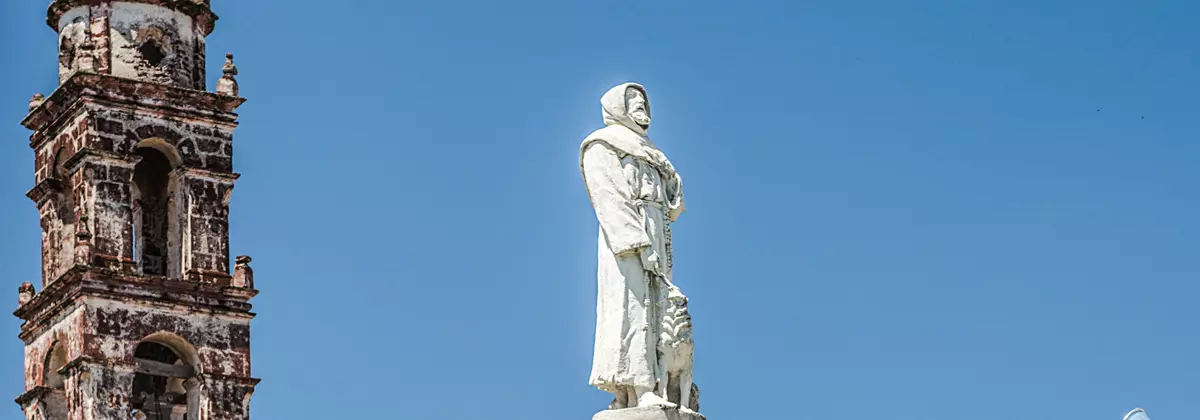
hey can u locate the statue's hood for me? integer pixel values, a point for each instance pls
(624, 135)
(615, 107)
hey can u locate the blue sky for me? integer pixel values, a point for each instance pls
(897, 209)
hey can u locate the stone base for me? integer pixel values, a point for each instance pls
(648, 413)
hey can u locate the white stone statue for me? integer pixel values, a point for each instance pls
(643, 349)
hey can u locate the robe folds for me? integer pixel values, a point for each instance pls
(636, 194)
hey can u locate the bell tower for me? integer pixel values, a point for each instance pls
(141, 313)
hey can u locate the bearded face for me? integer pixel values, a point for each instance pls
(637, 107)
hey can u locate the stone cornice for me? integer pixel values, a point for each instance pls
(43, 190)
(54, 123)
(119, 91)
(73, 366)
(33, 395)
(200, 10)
(84, 155)
(226, 177)
(83, 281)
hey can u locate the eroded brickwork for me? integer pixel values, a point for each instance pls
(140, 314)
(140, 40)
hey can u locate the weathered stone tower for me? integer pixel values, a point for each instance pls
(139, 315)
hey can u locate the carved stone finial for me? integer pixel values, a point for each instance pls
(243, 275)
(228, 84)
(36, 101)
(229, 67)
(25, 293)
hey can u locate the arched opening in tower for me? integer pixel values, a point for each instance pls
(56, 399)
(161, 389)
(152, 204)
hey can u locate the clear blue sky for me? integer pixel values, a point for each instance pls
(897, 209)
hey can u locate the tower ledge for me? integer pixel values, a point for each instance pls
(119, 90)
(197, 296)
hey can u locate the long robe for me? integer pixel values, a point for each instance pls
(636, 194)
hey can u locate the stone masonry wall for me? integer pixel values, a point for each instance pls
(102, 183)
(207, 228)
(113, 330)
(109, 331)
(67, 331)
(145, 42)
(59, 213)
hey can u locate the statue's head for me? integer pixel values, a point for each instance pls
(627, 105)
(639, 108)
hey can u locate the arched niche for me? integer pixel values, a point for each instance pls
(155, 216)
(55, 401)
(166, 383)
(56, 359)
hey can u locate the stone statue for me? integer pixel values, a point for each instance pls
(643, 349)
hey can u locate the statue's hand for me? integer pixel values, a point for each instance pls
(651, 261)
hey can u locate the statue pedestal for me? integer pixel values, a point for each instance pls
(648, 413)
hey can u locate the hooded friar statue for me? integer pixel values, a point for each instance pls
(643, 349)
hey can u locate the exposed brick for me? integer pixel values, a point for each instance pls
(110, 126)
(105, 143)
(117, 173)
(147, 132)
(208, 146)
(219, 163)
(100, 173)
